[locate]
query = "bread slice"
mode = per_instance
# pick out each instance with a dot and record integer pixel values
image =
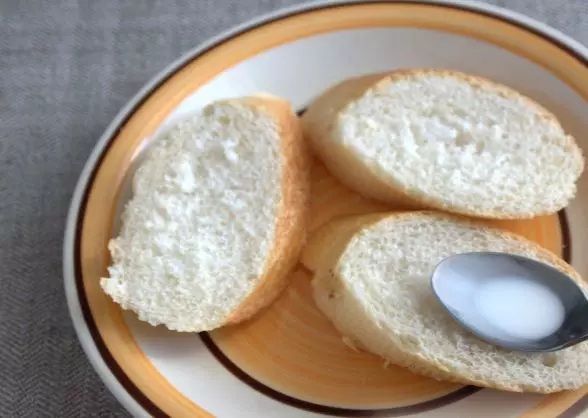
(445, 140)
(372, 280)
(217, 218)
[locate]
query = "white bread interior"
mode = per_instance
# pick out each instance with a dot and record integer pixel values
(217, 218)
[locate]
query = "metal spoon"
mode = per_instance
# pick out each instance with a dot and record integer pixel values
(512, 301)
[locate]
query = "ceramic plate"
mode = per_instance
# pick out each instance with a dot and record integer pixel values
(289, 361)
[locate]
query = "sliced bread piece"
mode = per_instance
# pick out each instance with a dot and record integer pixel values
(217, 218)
(372, 280)
(445, 140)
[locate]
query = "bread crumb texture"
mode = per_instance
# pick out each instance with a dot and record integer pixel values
(462, 143)
(201, 221)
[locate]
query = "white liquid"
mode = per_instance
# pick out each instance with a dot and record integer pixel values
(499, 297)
(519, 307)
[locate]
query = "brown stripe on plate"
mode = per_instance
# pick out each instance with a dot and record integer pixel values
(566, 240)
(328, 410)
(576, 409)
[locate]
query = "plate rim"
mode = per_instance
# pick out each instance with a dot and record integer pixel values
(81, 327)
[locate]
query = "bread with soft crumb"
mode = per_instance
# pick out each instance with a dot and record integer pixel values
(217, 218)
(446, 140)
(372, 280)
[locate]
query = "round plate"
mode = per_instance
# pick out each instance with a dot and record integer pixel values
(288, 361)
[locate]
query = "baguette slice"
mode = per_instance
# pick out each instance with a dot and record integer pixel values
(445, 140)
(371, 279)
(217, 218)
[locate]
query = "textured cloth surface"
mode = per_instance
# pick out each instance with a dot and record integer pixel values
(66, 68)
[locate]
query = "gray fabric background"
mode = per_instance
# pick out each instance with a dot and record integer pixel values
(66, 68)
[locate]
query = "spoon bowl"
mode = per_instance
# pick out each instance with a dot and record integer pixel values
(512, 301)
